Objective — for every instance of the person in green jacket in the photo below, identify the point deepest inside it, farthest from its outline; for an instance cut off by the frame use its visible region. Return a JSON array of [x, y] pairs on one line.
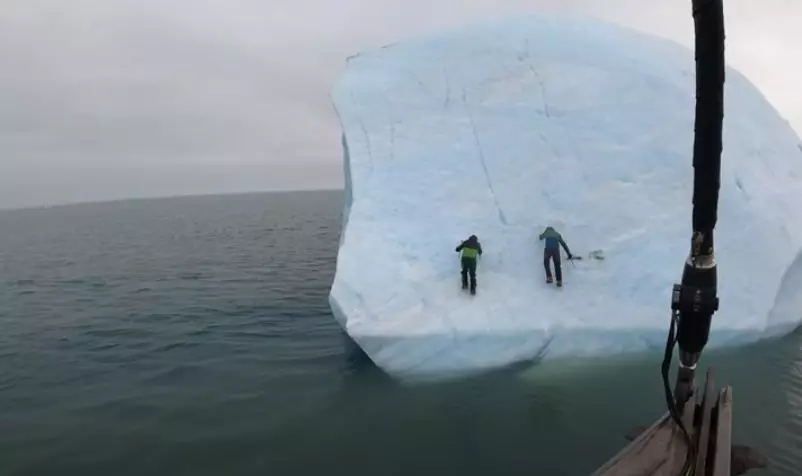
[[471, 250], [552, 252]]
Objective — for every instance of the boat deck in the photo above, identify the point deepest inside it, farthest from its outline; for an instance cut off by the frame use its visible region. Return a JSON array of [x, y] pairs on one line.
[[661, 449]]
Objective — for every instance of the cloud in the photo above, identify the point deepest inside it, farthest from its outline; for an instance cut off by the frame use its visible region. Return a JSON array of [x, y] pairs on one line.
[[113, 98]]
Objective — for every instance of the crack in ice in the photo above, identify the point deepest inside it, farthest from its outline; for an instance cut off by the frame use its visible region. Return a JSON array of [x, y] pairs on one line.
[[482, 161]]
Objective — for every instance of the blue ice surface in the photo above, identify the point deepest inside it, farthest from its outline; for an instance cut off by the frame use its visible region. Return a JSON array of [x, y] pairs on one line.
[[502, 128]]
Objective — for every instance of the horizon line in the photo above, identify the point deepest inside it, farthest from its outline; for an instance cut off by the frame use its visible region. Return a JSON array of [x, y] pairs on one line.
[[168, 197]]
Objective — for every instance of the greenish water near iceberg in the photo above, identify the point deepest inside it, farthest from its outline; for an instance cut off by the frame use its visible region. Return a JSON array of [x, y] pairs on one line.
[[192, 336]]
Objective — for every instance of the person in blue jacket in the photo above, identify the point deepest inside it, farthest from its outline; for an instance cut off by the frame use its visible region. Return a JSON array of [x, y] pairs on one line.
[[552, 253]]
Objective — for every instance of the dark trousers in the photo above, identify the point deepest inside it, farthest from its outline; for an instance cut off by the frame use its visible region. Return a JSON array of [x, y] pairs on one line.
[[469, 268], [553, 254]]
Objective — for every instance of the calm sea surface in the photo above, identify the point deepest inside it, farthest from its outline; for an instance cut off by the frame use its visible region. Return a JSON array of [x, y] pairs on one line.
[[192, 336]]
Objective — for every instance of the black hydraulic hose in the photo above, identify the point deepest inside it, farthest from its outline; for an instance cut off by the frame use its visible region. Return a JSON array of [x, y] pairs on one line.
[[699, 278], [694, 301], [709, 26]]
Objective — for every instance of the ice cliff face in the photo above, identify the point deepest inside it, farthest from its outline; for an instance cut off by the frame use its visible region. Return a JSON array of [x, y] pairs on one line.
[[503, 128]]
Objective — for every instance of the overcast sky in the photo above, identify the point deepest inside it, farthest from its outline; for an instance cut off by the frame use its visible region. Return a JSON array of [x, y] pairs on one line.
[[108, 99]]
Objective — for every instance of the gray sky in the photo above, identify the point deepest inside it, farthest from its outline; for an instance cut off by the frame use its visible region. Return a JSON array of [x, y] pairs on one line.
[[107, 99]]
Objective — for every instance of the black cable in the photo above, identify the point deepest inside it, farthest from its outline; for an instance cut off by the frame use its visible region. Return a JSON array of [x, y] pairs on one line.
[[670, 401]]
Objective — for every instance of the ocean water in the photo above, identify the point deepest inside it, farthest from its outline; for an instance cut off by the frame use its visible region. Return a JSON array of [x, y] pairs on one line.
[[192, 336]]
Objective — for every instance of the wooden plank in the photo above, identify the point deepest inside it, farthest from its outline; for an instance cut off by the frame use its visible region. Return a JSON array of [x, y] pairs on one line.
[[723, 458], [645, 455], [659, 451], [703, 444]]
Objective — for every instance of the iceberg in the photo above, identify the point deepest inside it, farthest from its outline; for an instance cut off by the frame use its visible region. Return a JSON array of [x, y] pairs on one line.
[[503, 128]]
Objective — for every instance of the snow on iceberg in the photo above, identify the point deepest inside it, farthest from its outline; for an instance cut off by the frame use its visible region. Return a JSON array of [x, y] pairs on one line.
[[503, 128]]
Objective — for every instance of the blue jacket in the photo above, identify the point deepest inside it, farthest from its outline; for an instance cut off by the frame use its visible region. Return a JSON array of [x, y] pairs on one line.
[[554, 240]]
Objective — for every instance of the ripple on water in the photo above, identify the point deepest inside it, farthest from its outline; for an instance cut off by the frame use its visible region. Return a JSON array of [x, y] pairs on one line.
[[193, 337]]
